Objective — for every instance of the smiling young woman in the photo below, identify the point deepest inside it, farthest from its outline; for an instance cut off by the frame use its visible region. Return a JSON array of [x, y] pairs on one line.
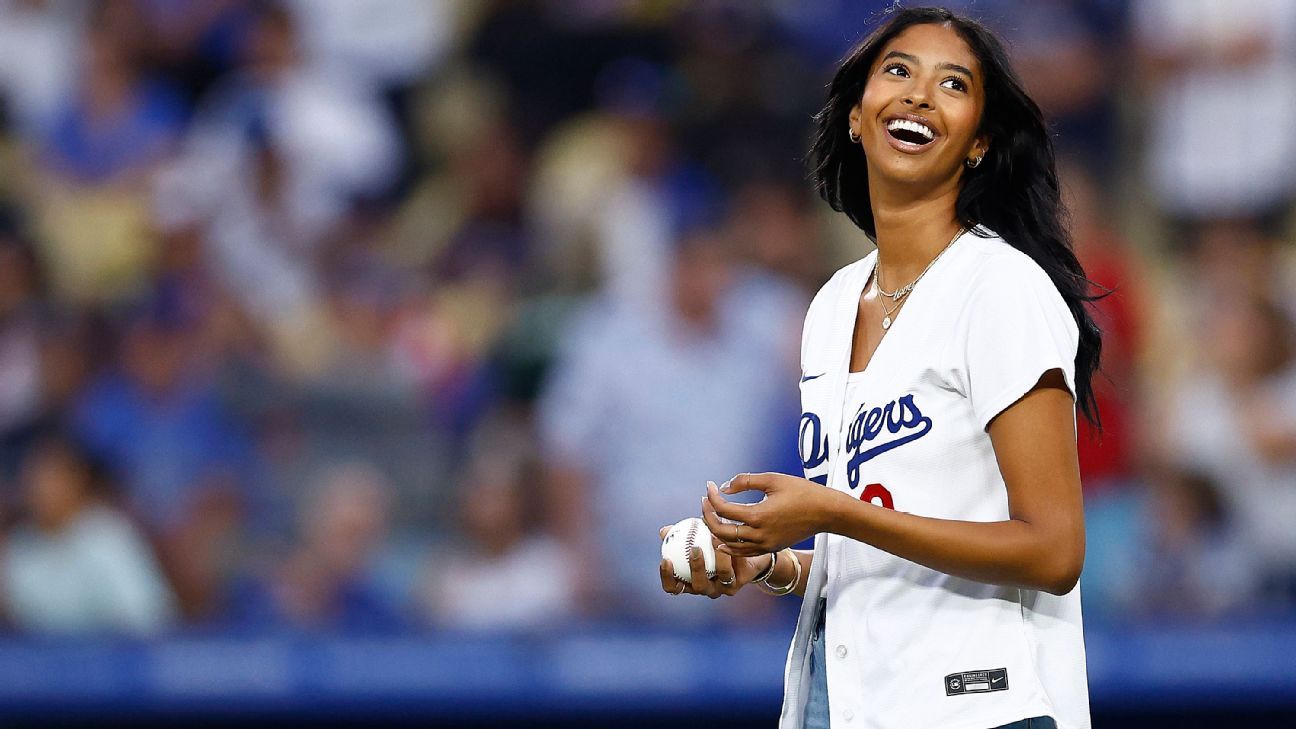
[[941, 379]]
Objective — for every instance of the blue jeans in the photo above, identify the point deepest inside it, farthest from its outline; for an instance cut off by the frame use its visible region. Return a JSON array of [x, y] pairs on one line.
[[816, 711], [1039, 722]]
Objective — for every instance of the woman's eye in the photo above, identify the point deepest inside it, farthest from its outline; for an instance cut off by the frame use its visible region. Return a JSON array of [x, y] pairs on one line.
[[954, 83], [896, 69]]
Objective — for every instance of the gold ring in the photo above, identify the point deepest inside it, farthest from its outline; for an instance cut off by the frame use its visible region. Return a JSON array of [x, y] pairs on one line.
[[681, 590], [737, 538], [729, 583]]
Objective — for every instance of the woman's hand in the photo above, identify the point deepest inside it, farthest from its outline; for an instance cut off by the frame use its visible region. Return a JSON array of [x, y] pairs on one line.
[[793, 510], [732, 573]]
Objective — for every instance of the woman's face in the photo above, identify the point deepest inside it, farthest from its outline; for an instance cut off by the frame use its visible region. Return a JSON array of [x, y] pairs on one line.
[[918, 117]]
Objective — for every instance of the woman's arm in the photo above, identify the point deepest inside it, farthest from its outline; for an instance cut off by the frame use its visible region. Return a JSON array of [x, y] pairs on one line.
[[1040, 546]]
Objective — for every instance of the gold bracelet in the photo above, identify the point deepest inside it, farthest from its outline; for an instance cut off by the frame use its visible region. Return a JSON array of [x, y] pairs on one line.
[[796, 579], [765, 573]]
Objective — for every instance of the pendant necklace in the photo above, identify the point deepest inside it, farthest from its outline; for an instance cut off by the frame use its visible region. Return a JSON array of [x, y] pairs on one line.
[[902, 292], [886, 320]]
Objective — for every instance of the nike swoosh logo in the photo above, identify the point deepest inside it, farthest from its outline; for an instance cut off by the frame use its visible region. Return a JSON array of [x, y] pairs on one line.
[[996, 680], [807, 378]]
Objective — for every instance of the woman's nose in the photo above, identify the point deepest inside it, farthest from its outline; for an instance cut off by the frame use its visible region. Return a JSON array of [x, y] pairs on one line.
[[918, 101]]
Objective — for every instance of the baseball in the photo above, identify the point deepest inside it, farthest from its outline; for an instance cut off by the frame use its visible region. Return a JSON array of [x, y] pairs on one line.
[[681, 538]]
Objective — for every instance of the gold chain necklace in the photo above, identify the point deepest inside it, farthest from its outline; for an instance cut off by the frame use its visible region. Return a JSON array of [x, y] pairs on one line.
[[903, 291]]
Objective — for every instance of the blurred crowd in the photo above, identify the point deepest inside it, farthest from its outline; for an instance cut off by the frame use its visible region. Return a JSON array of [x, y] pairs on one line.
[[388, 315]]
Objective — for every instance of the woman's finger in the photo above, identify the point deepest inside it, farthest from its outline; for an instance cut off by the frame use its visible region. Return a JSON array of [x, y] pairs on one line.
[[746, 482], [725, 574], [727, 509], [734, 534], [699, 581], [725, 532], [668, 580]]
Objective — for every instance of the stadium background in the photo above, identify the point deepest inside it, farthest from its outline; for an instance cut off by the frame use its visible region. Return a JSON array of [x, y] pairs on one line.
[[325, 327]]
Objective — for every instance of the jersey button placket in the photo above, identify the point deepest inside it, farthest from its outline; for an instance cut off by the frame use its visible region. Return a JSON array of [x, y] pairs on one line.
[[841, 651]]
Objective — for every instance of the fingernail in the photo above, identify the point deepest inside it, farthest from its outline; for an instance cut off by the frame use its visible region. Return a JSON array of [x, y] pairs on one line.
[[724, 486]]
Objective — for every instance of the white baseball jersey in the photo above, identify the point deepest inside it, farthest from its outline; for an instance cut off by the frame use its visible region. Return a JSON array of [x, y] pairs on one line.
[[909, 646]]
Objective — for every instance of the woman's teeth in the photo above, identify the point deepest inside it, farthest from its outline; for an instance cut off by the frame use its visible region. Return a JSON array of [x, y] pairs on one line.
[[910, 131]]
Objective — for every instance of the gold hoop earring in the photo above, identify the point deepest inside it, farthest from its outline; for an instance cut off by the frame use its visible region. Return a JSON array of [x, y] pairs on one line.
[[974, 163], [850, 132]]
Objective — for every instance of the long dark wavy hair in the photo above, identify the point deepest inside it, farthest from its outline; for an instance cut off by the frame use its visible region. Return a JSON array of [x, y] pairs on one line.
[[1014, 191]]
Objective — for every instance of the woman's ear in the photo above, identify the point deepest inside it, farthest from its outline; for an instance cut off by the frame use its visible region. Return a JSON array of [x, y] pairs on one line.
[[853, 120]]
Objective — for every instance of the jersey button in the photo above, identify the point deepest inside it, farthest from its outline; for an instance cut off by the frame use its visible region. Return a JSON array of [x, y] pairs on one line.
[[848, 715], [841, 651]]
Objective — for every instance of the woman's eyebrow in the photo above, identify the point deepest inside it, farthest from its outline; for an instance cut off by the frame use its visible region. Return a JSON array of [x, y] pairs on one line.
[[956, 68], [939, 67], [903, 56]]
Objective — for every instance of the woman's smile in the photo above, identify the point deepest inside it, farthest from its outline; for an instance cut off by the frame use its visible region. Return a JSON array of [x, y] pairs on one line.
[[910, 133]]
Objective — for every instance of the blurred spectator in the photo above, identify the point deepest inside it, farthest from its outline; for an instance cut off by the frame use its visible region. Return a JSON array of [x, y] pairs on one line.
[[47, 30], [159, 418], [389, 47], [646, 405], [77, 565], [773, 223], [1229, 258], [121, 121], [736, 92], [638, 203], [1234, 421], [390, 43], [159, 421], [465, 231], [504, 572], [328, 579], [278, 154], [331, 137], [1194, 563], [255, 242], [1206, 64], [21, 292], [193, 42], [94, 156], [56, 355], [577, 42]]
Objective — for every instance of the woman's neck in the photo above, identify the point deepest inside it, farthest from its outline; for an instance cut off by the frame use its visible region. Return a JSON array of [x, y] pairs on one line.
[[910, 233]]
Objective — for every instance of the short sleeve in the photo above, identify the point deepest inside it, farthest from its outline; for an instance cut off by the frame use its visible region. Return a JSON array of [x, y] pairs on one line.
[[1014, 327]]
